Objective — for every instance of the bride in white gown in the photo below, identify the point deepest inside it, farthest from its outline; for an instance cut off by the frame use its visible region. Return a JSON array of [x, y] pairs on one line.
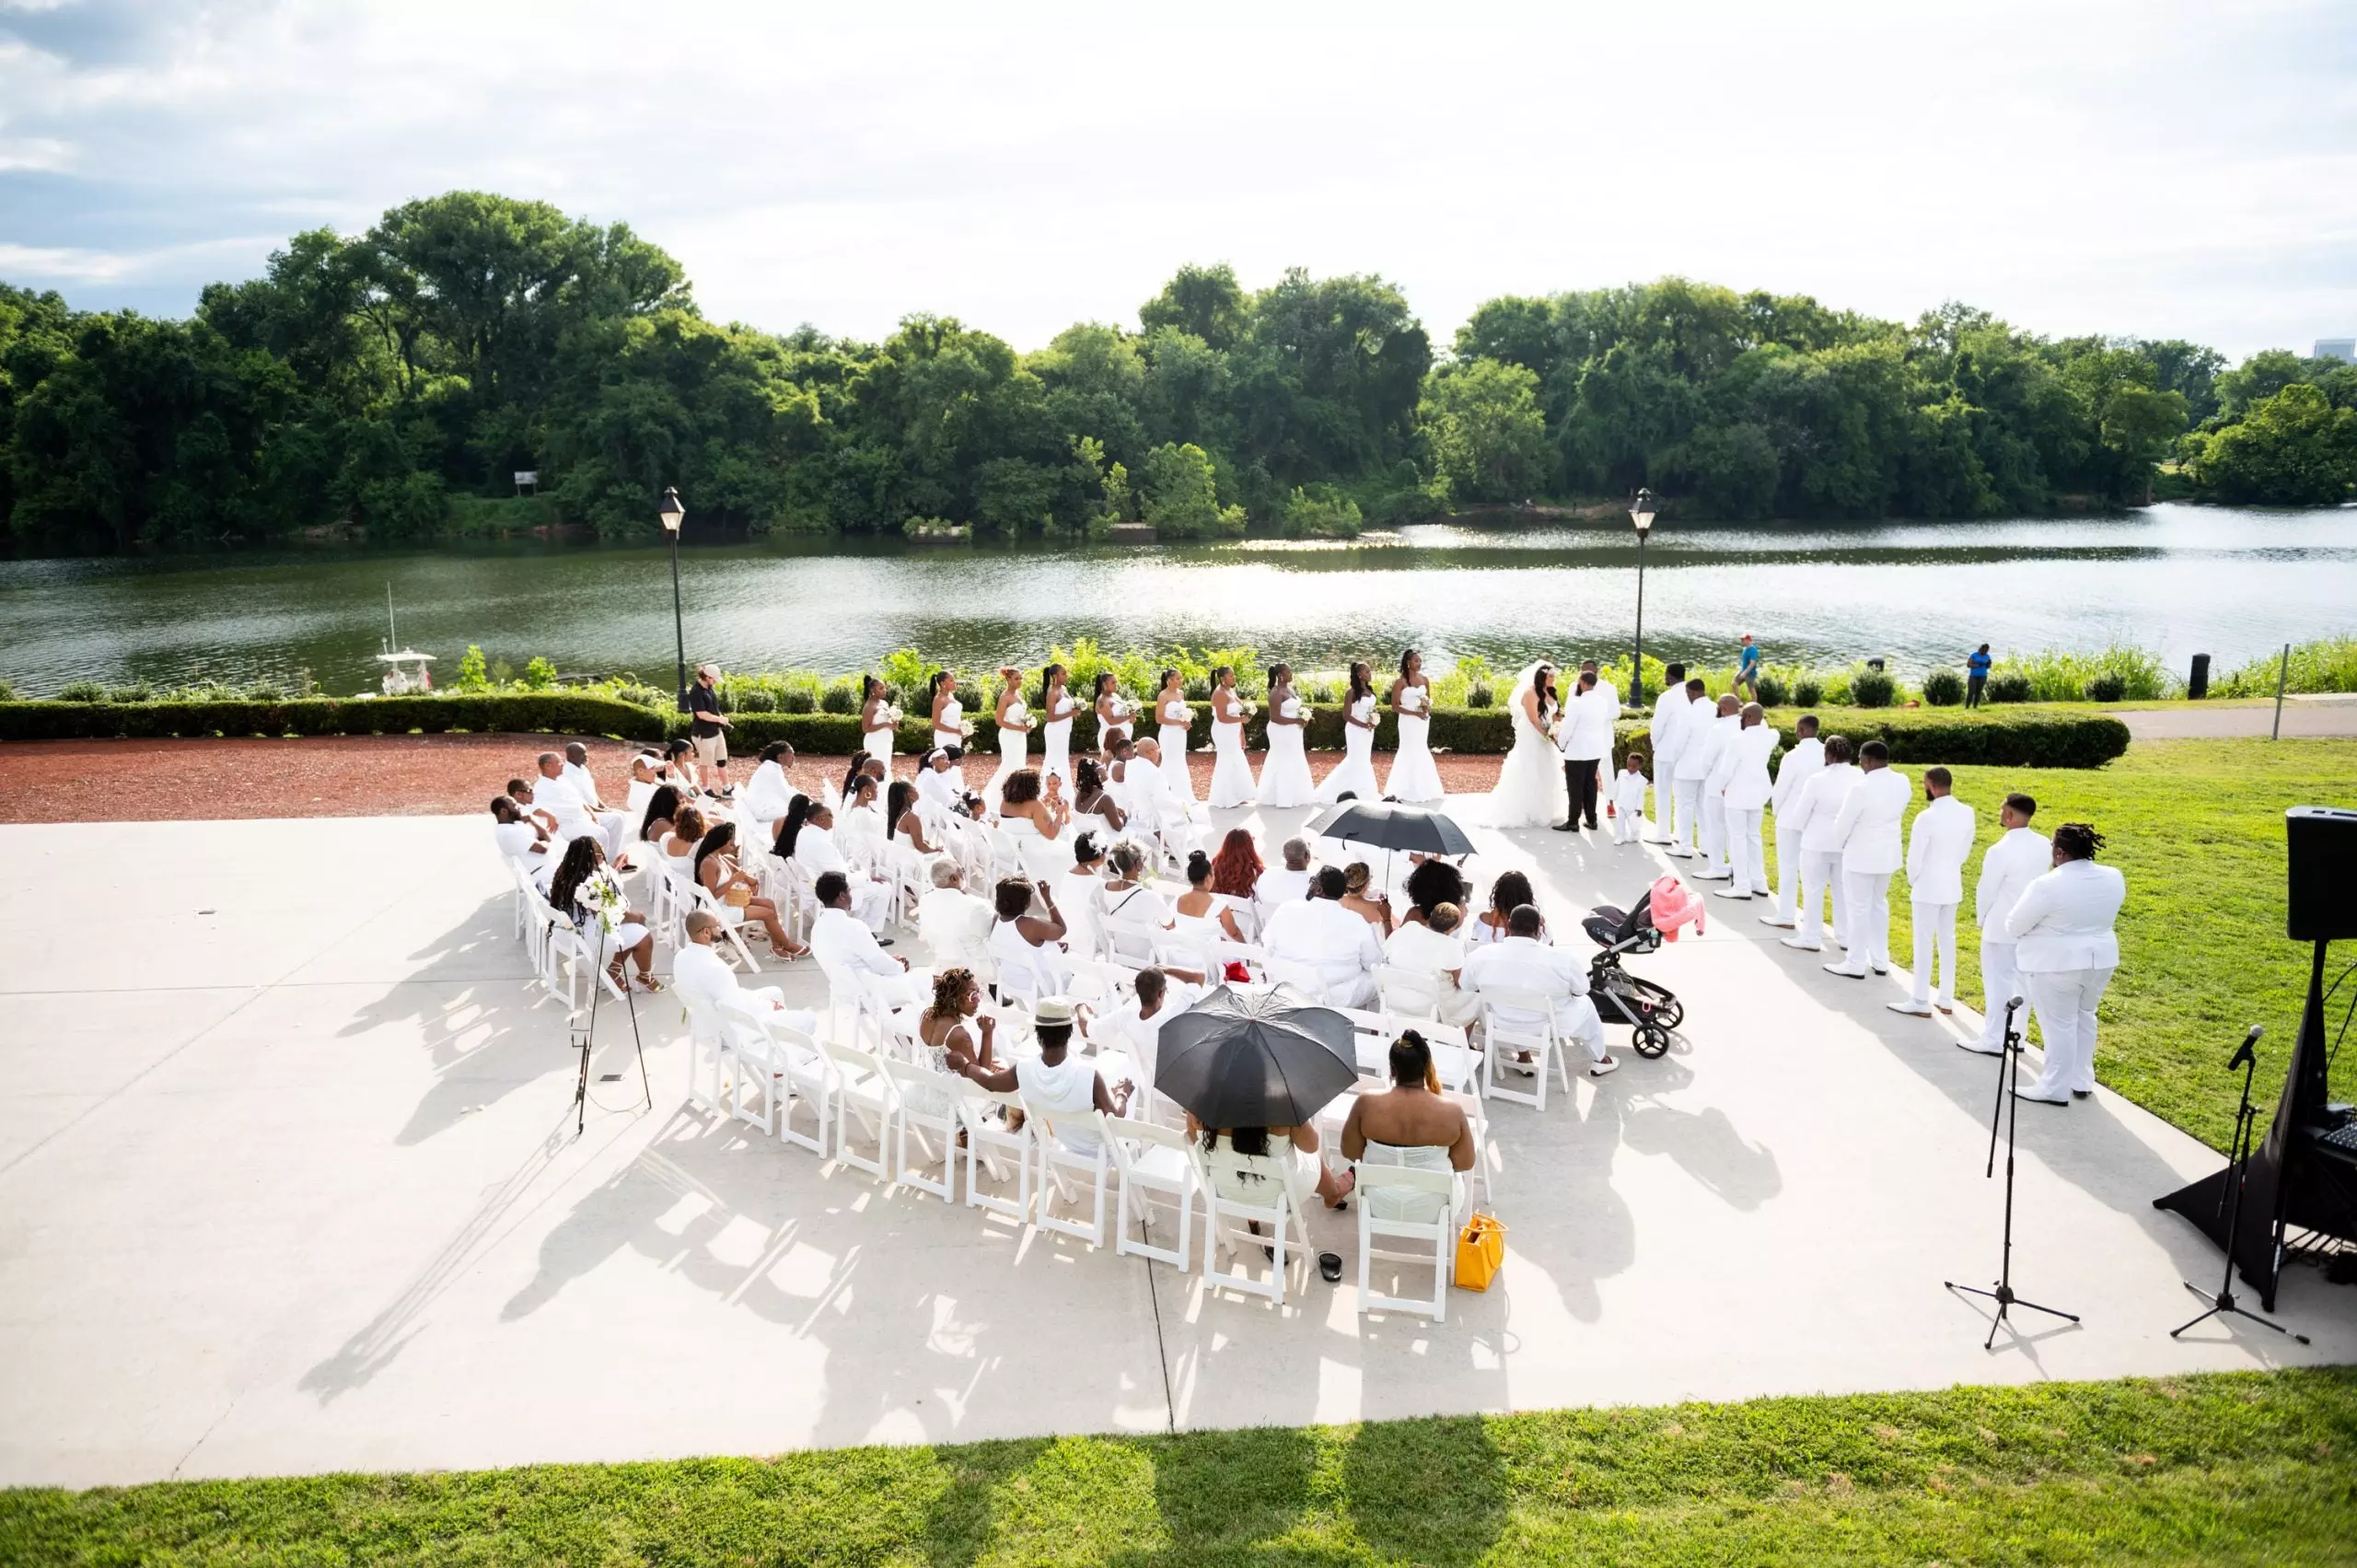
[[1530, 791]]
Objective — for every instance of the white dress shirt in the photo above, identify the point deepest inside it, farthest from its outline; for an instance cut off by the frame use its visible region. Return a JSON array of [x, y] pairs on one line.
[[564, 804], [957, 927], [815, 851], [2064, 920], [1419, 947], [840, 941], [582, 784], [2018, 858], [1319, 934], [1746, 767], [1802, 763], [1938, 843], [1587, 732], [1819, 808], [1278, 887], [1524, 963], [1866, 828], [768, 792]]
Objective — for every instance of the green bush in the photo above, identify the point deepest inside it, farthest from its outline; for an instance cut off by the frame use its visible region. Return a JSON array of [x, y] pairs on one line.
[[553, 713], [1478, 695], [473, 674], [8, 690], [137, 691], [2007, 686], [82, 691], [1808, 692], [539, 675], [797, 700], [1872, 689], [2032, 739], [753, 699], [2329, 663], [2058, 676], [839, 695], [2106, 688], [1773, 690], [1943, 689]]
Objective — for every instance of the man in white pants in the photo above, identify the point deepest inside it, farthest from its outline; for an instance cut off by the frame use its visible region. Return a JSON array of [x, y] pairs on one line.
[[1746, 796], [1522, 960], [2062, 924], [1669, 713], [1868, 830], [1697, 750], [1813, 817], [1725, 730], [1802, 763], [2018, 858], [1937, 846]]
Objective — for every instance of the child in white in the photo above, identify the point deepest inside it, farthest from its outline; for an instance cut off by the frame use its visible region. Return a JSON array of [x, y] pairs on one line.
[[1628, 799]]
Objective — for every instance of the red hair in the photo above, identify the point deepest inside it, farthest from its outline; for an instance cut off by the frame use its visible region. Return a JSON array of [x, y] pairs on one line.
[[1236, 866]]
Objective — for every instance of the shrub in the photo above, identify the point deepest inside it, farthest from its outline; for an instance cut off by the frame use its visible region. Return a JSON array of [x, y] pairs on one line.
[[797, 700], [82, 691], [1943, 689], [539, 675], [137, 691], [1771, 692], [754, 698], [2057, 675], [1872, 689], [473, 674], [263, 691], [2329, 663], [2007, 686], [969, 697], [841, 695], [8, 690], [629, 688], [1478, 695], [2106, 688], [1807, 691]]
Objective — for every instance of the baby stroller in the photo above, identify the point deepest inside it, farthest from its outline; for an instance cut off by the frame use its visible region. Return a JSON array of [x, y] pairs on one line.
[[1652, 1011]]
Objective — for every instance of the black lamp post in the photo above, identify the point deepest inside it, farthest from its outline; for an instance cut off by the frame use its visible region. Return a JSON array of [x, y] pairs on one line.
[[673, 514], [1641, 512]]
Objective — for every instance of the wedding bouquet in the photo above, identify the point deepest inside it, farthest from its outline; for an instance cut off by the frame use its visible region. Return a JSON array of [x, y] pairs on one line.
[[965, 729], [1411, 699], [1246, 711], [601, 893], [890, 714]]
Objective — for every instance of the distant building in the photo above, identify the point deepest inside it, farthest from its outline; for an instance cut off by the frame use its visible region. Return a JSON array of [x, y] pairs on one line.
[[2343, 349]]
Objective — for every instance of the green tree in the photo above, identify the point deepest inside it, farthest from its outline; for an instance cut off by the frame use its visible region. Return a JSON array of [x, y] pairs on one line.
[[1488, 437], [1322, 511], [1181, 495], [1205, 303], [2294, 449]]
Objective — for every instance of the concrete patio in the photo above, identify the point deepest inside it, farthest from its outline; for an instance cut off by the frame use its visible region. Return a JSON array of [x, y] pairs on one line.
[[288, 1184]]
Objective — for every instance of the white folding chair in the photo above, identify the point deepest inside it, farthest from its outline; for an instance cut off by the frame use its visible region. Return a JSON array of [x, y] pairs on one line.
[[1515, 1021], [709, 1046], [992, 1145], [1154, 1162], [1243, 1190], [1409, 995], [861, 1090], [790, 1056], [927, 1100], [732, 923], [1405, 1204], [1060, 1160]]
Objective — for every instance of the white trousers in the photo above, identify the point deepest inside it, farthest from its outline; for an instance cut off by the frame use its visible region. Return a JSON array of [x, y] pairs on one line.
[[1865, 900], [1665, 795], [1788, 871], [1624, 827], [2000, 983], [1686, 797], [1581, 1022], [1934, 934], [2065, 1000], [1714, 831], [1820, 870], [1746, 862]]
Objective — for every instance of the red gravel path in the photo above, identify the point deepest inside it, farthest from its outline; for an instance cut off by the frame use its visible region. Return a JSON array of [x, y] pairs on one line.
[[97, 781]]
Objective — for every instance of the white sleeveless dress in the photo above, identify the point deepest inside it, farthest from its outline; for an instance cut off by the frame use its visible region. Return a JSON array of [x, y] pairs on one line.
[[1355, 771], [947, 733], [1117, 728], [1176, 717], [1014, 750], [1285, 777], [878, 745], [1232, 783], [1055, 746], [1414, 775]]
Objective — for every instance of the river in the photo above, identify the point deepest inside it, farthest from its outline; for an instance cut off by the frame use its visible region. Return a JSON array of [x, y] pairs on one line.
[[2176, 578]]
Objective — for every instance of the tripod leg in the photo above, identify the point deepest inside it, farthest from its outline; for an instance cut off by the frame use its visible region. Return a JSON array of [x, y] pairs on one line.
[[2181, 1328], [2050, 1311]]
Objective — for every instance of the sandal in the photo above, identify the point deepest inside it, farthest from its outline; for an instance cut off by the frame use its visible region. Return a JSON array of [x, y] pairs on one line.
[[647, 983]]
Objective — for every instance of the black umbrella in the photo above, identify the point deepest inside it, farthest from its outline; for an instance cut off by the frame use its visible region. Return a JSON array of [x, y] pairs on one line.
[[1388, 827], [1255, 1059]]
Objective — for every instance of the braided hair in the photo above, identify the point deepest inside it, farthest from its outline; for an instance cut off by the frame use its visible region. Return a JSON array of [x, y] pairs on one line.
[[2077, 840]]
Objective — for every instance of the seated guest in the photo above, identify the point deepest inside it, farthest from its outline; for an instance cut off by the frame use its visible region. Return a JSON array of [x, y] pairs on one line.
[[938, 781], [1324, 946], [1507, 894], [769, 792], [1080, 884], [522, 840], [645, 778], [1091, 798], [1177, 805], [1235, 872], [553, 792], [1435, 948], [1032, 822], [677, 847], [1364, 901], [814, 850], [862, 818], [613, 827], [904, 819], [843, 941], [680, 765], [1202, 913], [1430, 884], [1521, 961], [1028, 948], [1286, 884], [521, 794], [655, 816], [1125, 894], [954, 1026], [1410, 1124], [1296, 1143], [630, 940], [954, 924], [717, 873], [1056, 1080], [1162, 995], [703, 977]]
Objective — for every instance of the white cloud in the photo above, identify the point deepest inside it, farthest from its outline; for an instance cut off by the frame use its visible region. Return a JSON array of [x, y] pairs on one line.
[[2076, 165]]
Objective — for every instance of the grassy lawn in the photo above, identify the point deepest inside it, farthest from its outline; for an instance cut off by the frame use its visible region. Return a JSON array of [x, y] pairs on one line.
[[2198, 828], [2210, 1469]]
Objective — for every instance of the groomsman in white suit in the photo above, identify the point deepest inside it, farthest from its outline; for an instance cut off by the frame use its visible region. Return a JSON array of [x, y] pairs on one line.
[[1814, 815], [2018, 858], [1697, 750], [1868, 830], [1801, 764], [1747, 795], [1669, 708], [1938, 843], [1726, 729], [2063, 925]]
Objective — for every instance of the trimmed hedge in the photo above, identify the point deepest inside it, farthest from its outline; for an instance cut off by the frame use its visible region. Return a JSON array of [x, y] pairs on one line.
[[2033, 738]]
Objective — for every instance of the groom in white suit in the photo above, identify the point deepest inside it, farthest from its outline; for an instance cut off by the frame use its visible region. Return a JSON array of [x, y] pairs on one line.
[[1868, 831], [1584, 738]]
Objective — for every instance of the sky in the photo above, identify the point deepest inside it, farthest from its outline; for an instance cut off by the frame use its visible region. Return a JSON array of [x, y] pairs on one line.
[[2142, 170]]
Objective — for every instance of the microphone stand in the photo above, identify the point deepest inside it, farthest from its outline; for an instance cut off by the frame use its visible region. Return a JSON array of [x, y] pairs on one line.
[[2009, 1076], [2222, 1302], [588, 1034]]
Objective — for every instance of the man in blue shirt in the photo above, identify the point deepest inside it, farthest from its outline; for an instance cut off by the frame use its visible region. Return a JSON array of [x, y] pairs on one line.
[[1746, 668], [1975, 672]]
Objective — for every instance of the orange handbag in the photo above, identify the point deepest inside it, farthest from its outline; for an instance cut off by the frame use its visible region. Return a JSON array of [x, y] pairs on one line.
[[1481, 1252]]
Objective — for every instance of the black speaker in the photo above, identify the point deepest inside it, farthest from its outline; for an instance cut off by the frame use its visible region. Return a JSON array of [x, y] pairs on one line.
[[2323, 844]]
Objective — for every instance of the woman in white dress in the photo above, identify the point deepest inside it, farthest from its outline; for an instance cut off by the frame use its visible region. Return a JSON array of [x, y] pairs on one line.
[[1115, 714], [1014, 726], [949, 713], [1354, 774], [877, 718], [1171, 712], [1056, 710], [1284, 776], [1530, 792], [1232, 782], [1414, 775]]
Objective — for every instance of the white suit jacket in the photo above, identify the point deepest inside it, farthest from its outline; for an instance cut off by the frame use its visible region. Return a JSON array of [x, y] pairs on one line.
[[1819, 806], [1704, 734], [2020, 857], [1726, 740], [1803, 762], [1669, 710], [1747, 786], [1867, 828], [841, 942], [768, 792], [2064, 920], [1587, 726], [1325, 936], [1938, 844]]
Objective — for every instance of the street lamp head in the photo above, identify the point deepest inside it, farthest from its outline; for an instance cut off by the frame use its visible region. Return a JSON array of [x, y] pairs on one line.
[[1640, 511], [673, 513]]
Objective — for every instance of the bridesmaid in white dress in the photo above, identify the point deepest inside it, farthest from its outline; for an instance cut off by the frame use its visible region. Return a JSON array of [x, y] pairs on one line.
[[1170, 710], [1232, 783], [1414, 775], [1354, 774], [1015, 722], [1114, 715], [877, 718], [1285, 777], [949, 713], [1056, 710]]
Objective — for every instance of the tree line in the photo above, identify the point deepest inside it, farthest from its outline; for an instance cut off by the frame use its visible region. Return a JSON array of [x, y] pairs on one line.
[[393, 381]]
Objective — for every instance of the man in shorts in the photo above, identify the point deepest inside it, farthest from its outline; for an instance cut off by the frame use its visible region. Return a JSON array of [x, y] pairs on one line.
[[708, 727], [1746, 669]]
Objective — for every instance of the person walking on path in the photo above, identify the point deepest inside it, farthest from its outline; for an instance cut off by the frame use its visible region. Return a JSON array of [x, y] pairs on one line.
[[1746, 669], [1975, 675], [1937, 846]]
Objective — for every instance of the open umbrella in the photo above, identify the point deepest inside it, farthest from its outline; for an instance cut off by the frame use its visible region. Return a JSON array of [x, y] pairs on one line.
[[1255, 1059], [1387, 826]]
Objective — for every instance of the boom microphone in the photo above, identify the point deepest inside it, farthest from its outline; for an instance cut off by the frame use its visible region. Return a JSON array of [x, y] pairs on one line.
[[2243, 1052]]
